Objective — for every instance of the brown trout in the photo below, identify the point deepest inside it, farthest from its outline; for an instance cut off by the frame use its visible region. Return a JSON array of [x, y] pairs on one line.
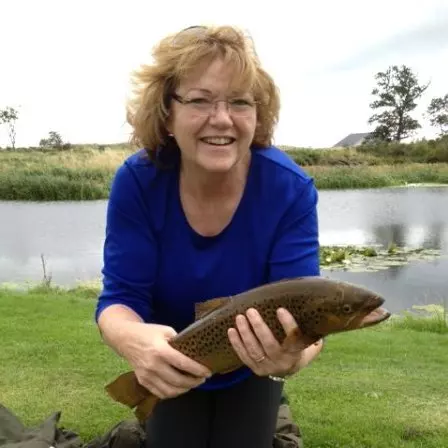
[[320, 306]]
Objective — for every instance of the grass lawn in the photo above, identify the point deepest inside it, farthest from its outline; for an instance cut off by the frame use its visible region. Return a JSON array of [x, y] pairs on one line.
[[380, 387]]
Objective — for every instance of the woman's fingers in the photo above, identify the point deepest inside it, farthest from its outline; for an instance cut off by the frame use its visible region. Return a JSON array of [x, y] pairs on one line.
[[176, 378], [238, 346], [257, 347], [166, 381], [184, 363], [165, 390], [267, 342], [253, 347]]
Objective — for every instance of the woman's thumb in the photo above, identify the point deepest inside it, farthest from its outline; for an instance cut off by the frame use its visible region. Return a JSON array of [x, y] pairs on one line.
[[169, 332]]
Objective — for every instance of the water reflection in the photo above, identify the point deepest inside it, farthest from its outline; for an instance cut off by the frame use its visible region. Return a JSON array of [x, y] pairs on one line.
[[414, 217], [431, 236], [70, 235]]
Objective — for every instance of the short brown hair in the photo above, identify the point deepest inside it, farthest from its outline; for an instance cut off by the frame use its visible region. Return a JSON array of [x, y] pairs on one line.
[[174, 56]]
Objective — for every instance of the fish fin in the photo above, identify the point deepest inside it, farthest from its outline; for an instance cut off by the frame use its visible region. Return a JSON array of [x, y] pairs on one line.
[[292, 339], [127, 390], [204, 308], [230, 362], [229, 369], [145, 408], [295, 339]]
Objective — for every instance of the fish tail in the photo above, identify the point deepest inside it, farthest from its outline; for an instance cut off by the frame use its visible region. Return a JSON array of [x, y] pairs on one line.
[[145, 408], [127, 390]]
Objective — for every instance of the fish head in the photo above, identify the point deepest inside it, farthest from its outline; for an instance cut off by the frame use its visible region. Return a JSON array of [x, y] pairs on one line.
[[344, 307]]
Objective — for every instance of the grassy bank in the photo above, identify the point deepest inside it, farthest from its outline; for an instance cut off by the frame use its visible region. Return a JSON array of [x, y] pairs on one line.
[[82, 174], [424, 151], [376, 388], [340, 177], [85, 173]]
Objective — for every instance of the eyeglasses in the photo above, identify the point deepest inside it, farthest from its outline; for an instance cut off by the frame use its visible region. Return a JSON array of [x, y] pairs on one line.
[[238, 107]]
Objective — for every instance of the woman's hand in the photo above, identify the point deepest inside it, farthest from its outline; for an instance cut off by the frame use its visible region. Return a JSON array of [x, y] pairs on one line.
[[261, 352], [160, 368]]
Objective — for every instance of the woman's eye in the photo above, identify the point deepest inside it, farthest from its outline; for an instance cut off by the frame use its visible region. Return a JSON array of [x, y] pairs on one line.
[[199, 101], [240, 102]]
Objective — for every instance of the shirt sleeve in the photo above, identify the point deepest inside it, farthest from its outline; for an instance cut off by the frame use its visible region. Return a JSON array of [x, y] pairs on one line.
[[295, 252], [130, 250]]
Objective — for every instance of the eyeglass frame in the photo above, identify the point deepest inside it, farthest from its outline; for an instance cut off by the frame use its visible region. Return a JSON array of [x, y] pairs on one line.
[[213, 104]]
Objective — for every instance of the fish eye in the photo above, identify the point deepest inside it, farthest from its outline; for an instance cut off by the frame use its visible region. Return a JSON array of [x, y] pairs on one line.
[[347, 308]]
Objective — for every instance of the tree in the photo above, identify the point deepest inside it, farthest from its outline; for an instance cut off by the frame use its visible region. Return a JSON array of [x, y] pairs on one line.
[[53, 141], [438, 113], [397, 90], [9, 116]]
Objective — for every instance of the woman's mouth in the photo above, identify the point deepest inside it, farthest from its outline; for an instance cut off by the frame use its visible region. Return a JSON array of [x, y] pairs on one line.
[[218, 141]]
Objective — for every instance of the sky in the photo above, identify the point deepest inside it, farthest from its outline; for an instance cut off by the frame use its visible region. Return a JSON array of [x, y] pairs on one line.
[[65, 65]]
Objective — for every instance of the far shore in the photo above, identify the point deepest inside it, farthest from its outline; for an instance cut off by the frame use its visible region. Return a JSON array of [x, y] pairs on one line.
[[85, 173]]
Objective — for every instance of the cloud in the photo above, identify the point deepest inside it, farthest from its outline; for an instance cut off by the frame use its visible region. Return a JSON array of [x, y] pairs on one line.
[[68, 68], [428, 38]]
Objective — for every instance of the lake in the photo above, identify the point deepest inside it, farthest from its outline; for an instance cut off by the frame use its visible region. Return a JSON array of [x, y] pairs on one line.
[[70, 236]]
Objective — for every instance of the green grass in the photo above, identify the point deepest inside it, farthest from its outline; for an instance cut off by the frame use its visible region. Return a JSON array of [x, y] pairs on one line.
[[346, 177], [379, 387], [82, 174], [423, 151], [434, 319], [85, 172]]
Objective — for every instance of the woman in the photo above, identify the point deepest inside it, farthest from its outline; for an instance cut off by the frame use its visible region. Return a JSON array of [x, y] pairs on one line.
[[208, 208]]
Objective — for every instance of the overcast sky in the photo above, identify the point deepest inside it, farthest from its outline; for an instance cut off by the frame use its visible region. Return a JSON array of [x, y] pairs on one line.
[[65, 64]]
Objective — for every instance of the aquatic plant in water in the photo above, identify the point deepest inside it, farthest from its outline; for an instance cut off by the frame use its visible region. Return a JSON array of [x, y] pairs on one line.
[[371, 259]]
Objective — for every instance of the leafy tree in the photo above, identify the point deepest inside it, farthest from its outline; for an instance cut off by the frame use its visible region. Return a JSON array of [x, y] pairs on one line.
[[438, 113], [54, 140], [397, 90], [9, 116]]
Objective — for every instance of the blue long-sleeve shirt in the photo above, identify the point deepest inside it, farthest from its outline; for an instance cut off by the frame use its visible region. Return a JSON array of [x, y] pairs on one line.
[[156, 264]]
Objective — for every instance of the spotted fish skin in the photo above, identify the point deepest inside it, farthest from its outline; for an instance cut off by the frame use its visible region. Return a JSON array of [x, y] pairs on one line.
[[308, 299], [319, 305]]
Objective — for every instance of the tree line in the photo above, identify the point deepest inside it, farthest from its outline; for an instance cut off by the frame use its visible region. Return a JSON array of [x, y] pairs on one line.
[[397, 91]]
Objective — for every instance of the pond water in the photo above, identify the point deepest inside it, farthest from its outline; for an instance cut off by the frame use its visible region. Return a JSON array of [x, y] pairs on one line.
[[70, 236]]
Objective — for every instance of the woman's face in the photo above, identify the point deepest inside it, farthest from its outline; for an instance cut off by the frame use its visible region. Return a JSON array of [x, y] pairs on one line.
[[213, 138]]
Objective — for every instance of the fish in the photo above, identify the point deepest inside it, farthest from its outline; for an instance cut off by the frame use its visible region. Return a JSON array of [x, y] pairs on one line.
[[320, 306]]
